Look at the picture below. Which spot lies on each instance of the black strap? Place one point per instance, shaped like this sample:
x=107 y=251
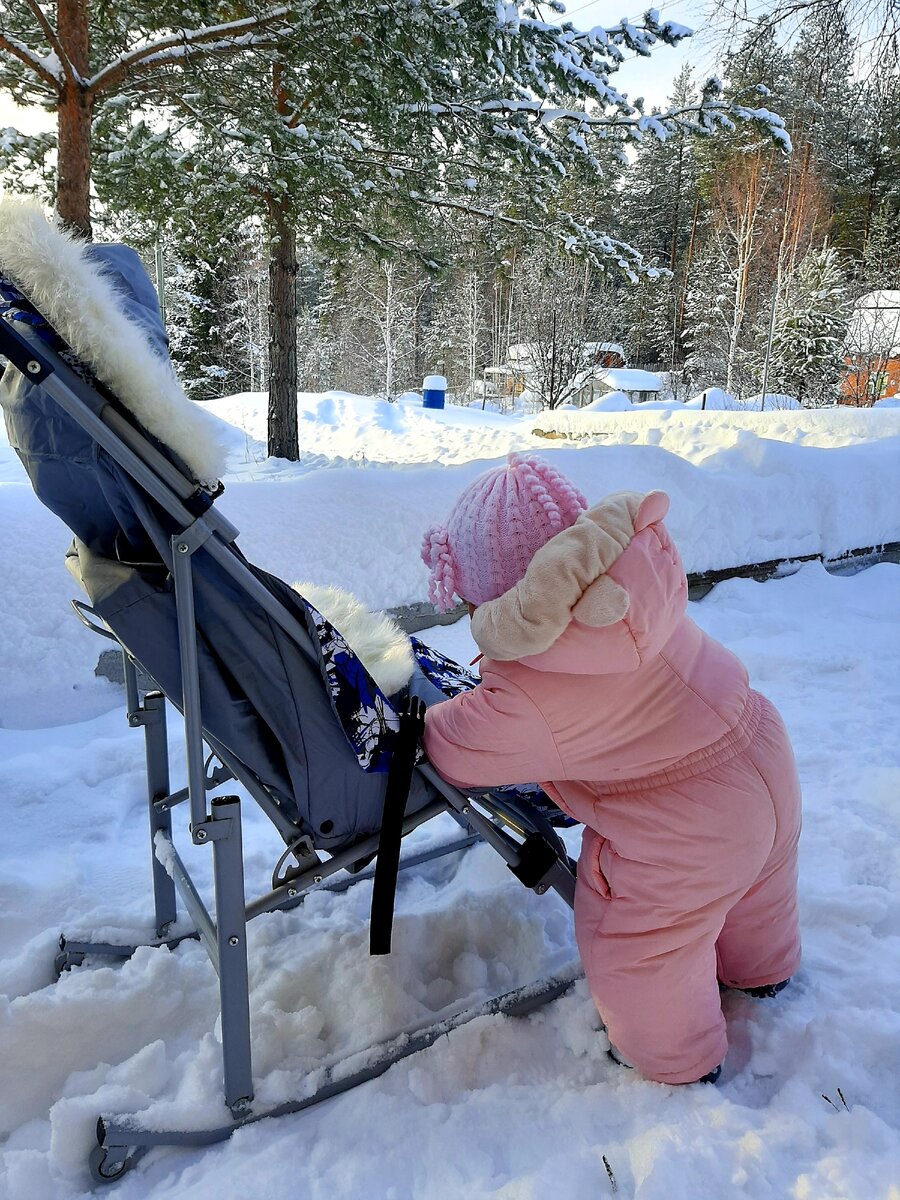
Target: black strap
x=412 y=726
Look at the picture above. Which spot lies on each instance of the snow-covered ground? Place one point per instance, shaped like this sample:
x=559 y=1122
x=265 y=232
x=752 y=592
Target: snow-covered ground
x=512 y=1109
x=745 y=487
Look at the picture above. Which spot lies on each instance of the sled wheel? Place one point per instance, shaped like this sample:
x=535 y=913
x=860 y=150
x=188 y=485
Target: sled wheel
x=104 y=1170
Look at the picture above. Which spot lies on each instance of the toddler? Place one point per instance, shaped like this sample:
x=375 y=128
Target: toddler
x=596 y=683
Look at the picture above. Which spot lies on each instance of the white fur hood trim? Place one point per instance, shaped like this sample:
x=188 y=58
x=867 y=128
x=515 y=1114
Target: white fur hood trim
x=378 y=642
x=80 y=302
x=567 y=580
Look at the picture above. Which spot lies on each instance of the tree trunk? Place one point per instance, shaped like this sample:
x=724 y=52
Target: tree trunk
x=390 y=320
x=283 y=440
x=73 y=188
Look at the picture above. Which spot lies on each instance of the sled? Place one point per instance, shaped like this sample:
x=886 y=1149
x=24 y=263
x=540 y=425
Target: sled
x=271 y=694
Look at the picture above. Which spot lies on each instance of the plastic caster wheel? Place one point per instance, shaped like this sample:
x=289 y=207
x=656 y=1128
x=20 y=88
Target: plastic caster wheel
x=105 y=1170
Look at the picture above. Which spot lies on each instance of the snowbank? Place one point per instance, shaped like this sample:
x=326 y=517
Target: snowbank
x=716 y=400
x=611 y=402
x=627 y=379
x=745 y=487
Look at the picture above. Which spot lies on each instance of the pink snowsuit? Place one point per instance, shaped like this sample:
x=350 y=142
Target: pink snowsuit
x=643 y=728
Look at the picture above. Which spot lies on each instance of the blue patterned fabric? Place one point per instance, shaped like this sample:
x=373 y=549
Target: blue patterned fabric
x=18 y=308
x=443 y=672
x=365 y=714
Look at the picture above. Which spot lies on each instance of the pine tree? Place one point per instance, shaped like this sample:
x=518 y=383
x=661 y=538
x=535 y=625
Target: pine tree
x=210 y=318
x=810 y=330
x=94 y=62
x=708 y=319
x=660 y=209
x=880 y=267
x=868 y=165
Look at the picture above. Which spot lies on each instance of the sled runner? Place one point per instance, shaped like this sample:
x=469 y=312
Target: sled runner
x=266 y=683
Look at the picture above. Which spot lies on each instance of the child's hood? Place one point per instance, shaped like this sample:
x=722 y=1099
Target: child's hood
x=603 y=595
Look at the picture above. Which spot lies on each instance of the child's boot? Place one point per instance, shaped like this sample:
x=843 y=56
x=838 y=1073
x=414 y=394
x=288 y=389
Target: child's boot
x=766 y=991
x=620 y=1059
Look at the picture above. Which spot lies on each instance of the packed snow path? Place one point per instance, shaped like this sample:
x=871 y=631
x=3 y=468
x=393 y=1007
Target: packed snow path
x=503 y=1108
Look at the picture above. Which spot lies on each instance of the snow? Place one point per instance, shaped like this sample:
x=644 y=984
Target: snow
x=535 y=1102
x=717 y=400
x=435 y=383
x=610 y=402
x=627 y=379
x=874 y=327
x=522 y=352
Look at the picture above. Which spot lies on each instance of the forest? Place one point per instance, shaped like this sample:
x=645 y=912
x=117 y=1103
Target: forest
x=344 y=207
x=737 y=228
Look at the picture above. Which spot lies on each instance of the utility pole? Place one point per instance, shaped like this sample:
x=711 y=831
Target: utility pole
x=765 y=382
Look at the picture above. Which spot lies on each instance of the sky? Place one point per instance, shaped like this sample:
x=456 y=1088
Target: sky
x=652 y=77
x=648 y=77
x=28 y=120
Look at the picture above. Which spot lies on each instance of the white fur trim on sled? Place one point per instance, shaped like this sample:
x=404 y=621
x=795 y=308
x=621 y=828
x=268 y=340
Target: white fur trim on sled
x=378 y=642
x=80 y=302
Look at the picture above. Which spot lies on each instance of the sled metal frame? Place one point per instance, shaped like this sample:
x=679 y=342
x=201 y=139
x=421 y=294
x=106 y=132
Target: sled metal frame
x=538 y=860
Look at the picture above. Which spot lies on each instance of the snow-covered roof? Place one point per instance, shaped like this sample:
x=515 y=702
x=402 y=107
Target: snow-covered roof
x=874 y=327
x=523 y=354
x=626 y=379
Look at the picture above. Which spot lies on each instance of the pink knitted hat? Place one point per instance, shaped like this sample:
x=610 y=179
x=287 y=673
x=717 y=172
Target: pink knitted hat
x=497 y=525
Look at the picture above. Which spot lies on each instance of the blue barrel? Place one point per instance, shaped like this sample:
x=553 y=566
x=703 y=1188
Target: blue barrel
x=434 y=391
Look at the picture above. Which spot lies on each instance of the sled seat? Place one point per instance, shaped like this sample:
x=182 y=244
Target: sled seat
x=271 y=693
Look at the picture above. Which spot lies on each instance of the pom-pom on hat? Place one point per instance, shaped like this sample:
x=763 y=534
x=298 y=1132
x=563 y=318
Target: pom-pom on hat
x=497 y=525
